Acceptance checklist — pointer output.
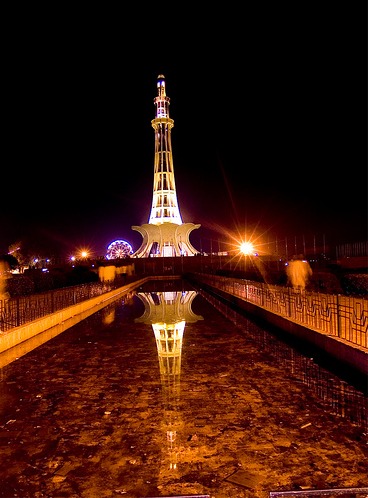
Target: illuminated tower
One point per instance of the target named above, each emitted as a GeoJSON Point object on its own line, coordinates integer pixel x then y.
{"type": "Point", "coordinates": [165, 234]}
{"type": "Point", "coordinates": [168, 313]}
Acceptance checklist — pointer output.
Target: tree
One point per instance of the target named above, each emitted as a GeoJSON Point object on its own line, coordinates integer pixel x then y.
{"type": "Point", "coordinates": [11, 260]}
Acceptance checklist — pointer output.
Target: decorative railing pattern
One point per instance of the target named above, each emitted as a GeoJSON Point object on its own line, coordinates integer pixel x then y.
{"type": "Point", "coordinates": [20, 310]}
{"type": "Point", "coordinates": [333, 314]}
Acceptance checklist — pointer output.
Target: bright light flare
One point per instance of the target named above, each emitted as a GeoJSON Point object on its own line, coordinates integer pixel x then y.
{"type": "Point", "coordinates": [246, 248]}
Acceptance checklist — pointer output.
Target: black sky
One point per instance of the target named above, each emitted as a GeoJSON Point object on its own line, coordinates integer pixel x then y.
{"type": "Point", "coordinates": [269, 136]}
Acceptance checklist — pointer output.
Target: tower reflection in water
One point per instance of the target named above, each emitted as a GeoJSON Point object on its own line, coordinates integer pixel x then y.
{"type": "Point", "coordinates": [168, 312]}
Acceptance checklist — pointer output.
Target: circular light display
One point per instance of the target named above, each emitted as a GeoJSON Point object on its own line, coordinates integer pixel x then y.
{"type": "Point", "coordinates": [119, 249]}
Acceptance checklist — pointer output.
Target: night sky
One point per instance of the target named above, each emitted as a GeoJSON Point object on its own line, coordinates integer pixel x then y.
{"type": "Point", "coordinates": [269, 136]}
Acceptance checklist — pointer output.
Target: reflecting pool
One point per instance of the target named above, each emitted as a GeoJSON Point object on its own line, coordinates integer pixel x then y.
{"type": "Point", "coordinates": [169, 392]}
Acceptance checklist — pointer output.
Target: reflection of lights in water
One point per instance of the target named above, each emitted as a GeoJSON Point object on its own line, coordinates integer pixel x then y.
{"type": "Point", "coordinates": [171, 436]}
{"type": "Point", "coordinates": [109, 312]}
{"type": "Point", "coordinates": [109, 317]}
{"type": "Point", "coordinates": [336, 394]}
{"type": "Point", "coordinates": [168, 312]}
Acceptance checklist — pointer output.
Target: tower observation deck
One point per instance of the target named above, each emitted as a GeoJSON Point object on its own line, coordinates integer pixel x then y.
{"type": "Point", "coordinates": [165, 234]}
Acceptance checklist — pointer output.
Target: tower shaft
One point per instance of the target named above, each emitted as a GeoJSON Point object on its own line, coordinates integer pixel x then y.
{"type": "Point", "coordinates": [165, 207]}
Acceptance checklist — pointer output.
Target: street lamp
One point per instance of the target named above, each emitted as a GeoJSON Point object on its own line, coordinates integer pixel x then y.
{"type": "Point", "coordinates": [246, 248]}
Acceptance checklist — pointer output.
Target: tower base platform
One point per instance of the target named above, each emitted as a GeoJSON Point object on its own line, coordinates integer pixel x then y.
{"type": "Point", "coordinates": [165, 240]}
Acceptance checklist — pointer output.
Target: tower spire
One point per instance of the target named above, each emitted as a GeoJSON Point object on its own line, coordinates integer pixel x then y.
{"type": "Point", "coordinates": [165, 235]}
